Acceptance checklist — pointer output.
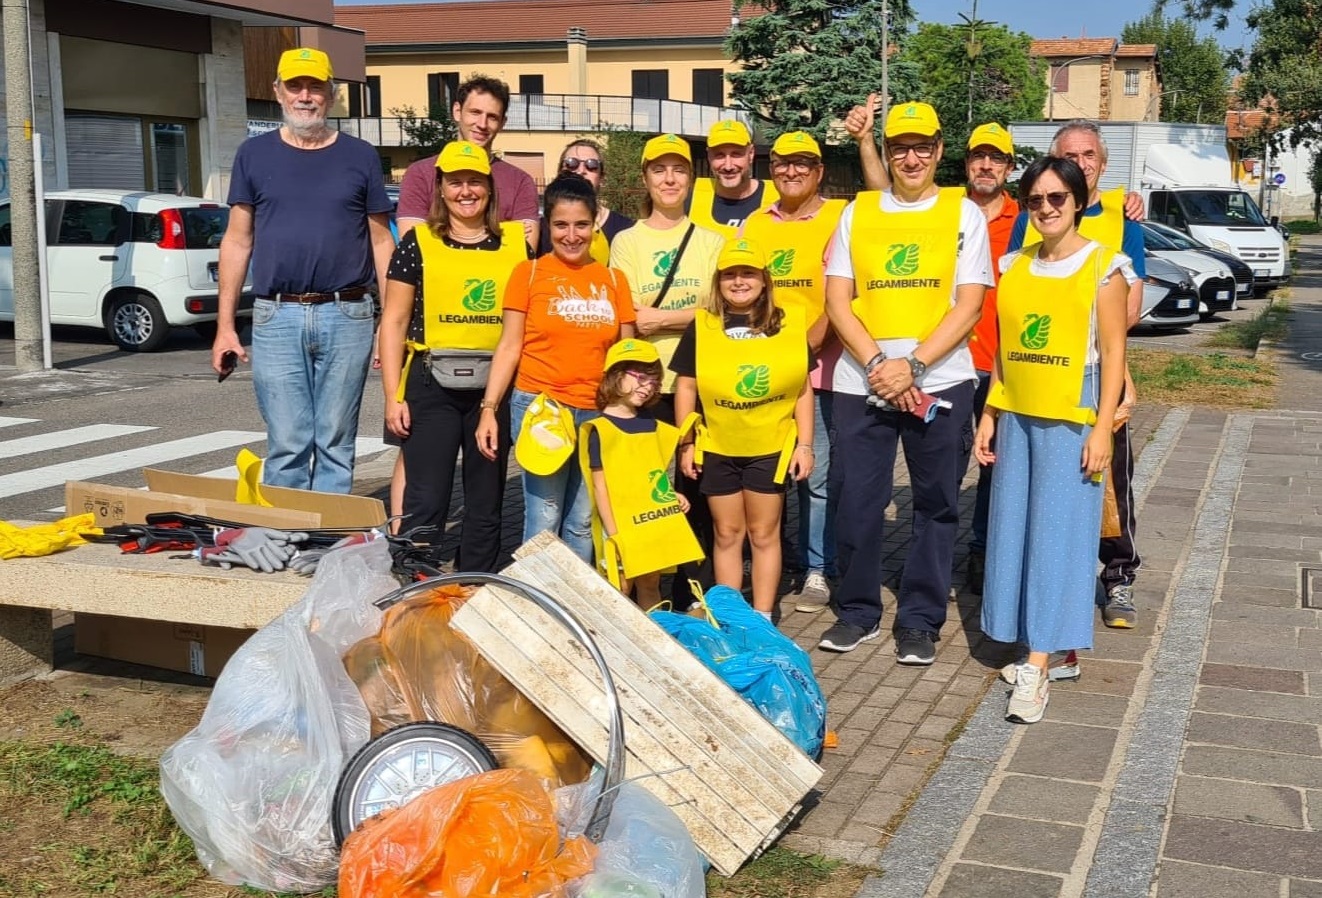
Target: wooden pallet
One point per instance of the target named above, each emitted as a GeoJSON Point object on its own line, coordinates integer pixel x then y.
{"type": "Point", "coordinates": [731, 776]}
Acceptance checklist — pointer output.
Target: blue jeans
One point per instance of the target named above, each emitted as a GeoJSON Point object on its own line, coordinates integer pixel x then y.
{"type": "Point", "coordinates": [309, 364]}
{"type": "Point", "coordinates": [816, 549]}
{"type": "Point", "coordinates": [558, 502]}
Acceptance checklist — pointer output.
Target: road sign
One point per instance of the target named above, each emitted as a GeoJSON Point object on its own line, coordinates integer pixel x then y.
{"type": "Point", "coordinates": [1279, 178]}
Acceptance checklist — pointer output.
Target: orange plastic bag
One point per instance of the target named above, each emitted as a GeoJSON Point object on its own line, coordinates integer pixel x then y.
{"type": "Point", "coordinates": [418, 668]}
{"type": "Point", "coordinates": [490, 834]}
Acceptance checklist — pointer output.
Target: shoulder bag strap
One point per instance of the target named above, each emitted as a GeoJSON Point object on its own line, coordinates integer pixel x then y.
{"type": "Point", "coordinates": [674, 267]}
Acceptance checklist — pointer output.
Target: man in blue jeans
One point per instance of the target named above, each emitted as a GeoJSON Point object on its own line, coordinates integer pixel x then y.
{"type": "Point", "coordinates": [308, 209]}
{"type": "Point", "coordinates": [904, 284]}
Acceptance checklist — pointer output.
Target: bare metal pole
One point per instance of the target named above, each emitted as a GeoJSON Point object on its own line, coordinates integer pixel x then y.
{"type": "Point", "coordinates": [28, 353]}
{"type": "Point", "coordinates": [885, 58]}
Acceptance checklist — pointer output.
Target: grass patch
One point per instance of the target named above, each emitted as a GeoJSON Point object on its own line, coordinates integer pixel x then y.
{"type": "Point", "coordinates": [1217, 380]}
{"type": "Point", "coordinates": [93, 823]}
{"type": "Point", "coordinates": [781, 873]}
{"type": "Point", "coordinates": [1270, 323]}
{"type": "Point", "coordinates": [1305, 226]}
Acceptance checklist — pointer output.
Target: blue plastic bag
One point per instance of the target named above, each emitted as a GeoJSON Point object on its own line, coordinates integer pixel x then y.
{"type": "Point", "coordinates": [759, 662]}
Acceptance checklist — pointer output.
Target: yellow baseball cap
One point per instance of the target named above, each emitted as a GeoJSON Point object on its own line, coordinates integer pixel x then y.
{"type": "Point", "coordinates": [461, 155]}
{"type": "Point", "coordinates": [993, 135]}
{"type": "Point", "coordinates": [304, 62]}
{"type": "Point", "coordinates": [796, 143]}
{"type": "Point", "coordinates": [741, 251]}
{"type": "Point", "coordinates": [546, 437]}
{"type": "Point", "coordinates": [631, 351]}
{"type": "Point", "coordinates": [729, 131]}
{"type": "Point", "coordinates": [665, 145]}
{"type": "Point", "coordinates": [912, 118]}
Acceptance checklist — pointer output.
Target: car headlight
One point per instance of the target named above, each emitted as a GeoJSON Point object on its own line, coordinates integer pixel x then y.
{"type": "Point", "coordinates": [1221, 245]}
{"type": "Point", "coordinates": [1191, 272]}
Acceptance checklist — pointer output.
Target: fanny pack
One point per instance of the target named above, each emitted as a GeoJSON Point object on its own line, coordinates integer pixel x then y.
{"type": "Point", "coordinates": [460, 369]}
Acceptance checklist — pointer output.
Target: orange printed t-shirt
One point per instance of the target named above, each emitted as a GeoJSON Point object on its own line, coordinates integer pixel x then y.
{"type": "Point", "coordinates": [985, 339]}
{"type": "Point", "coordinates": [574, 315]}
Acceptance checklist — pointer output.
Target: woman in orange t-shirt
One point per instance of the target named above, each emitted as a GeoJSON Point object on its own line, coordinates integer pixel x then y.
{"type": "Point", "coordinates": [562, 312]}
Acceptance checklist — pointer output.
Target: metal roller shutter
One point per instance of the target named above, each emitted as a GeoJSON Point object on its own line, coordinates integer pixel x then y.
{"type": "Point", "coordinates": [105, 151]}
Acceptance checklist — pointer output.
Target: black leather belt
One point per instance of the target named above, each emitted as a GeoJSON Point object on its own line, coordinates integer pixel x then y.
{"type": "Point", "coordinates": [353, 294]}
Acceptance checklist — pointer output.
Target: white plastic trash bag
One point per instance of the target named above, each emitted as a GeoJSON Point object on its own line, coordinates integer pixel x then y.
{"type": "Point", "coordinates": [645, 851]}
{"type": "Point", "coordinates": [252, 784]}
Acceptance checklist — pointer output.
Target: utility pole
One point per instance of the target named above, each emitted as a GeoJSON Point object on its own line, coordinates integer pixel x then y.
{"type": "Point", "coordinates": [885, 58]}
{"type": "Point", "coordinates": [23, 219]}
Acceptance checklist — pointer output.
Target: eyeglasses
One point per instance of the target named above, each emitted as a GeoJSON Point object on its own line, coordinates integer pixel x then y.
{"type": "Point", "coordinates": [985, 156]}
{"type": "Point", "coordinates": [1055, 198]}
{"type": "Point", "coordinates": [644, 379]}
{"type": "Point", "coordinates": [571, 163]}
{"type": "Point", "coordinates": [922, 150]}
{"type": "Point", "coordinates": [799, 166]}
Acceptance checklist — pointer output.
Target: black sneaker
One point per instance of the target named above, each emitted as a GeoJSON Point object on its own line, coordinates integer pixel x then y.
{"type": "Point", "coordinates": [977, 571]}
{"type": "Point", "coordinates": [843, 637]}
{"type": "Point", "coordinates": [914, 647]}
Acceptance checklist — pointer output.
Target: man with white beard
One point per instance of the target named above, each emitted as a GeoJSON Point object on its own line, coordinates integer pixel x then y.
{"type": "Point", "coordinates": [308, 208]}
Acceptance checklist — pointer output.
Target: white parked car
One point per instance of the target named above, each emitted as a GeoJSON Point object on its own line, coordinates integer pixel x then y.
{"type": "Point", "coordinates": [133, 263]}
{"type": "Point", "coordinates": [1211, 277]}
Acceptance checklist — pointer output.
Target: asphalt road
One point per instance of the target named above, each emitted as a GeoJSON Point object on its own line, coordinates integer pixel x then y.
{"type": "Point", "coordinates": [103, 414]}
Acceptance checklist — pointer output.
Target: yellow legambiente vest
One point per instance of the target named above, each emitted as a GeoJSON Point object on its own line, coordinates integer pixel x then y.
{"type": "Point", "coordinates": [1045, 324]}
{"type": "Point", "coordinates": [904, 264]}
{"type": "Point", "coordinates": [748, 389]}
{"type": "Point", "coordinates": [704, 194]}
{"type": "Point", "coordinates": [462, 289]}
{"type": "Point", "coordinates": [651, 531]}
{"type": "Point", "coordinates": [600, 248]}
{"type": "Point", "coordinates": [796, 250]}
{"type": "Point", "coordinates": [1108, 228]}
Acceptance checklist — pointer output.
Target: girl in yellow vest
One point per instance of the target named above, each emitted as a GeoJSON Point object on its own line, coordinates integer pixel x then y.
{"type": "Point", "coordinates": [638, 524]}
{"type": "Point", "coordinates": [746, 360]}
{"type": "Point", "coordinates": [1053, 397]}
{"type": "Point", "coordinates": [440, 323]}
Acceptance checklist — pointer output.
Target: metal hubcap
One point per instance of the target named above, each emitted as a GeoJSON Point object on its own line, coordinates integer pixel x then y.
{"type": "Point", "coordinates": [408, 769]}
{"type": "Point", "coordinates": [133, 323]}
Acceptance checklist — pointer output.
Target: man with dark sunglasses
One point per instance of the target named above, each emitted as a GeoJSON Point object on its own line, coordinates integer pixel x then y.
{"type": "Point", "coordinates": [904, 285]}
{"type": "Point", "coordinates": [1106, 221]}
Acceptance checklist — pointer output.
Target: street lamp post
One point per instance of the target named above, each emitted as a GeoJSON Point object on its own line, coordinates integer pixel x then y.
{"type": "Point", "coordinates": [1055, 73]}
{"type": "Point", "coordinates": [1147, 115]}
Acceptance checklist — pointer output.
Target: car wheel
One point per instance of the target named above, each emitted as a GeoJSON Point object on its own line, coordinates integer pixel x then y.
{"type": "Point", "coordinates": [136, 323]}
{"type": "Point", "coordinates": [399, 765]}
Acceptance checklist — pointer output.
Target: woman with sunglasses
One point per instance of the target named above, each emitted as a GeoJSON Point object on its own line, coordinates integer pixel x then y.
{"type": "Point", "coordinates": [1058, 377]}
{"type": "Point", "coordinates": [583, 158]}
{"type": "Point", "coordinates": [441, 318]}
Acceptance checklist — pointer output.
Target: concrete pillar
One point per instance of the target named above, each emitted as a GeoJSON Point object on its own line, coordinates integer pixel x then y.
{"type": "Point", "coordinates": [578, 60]}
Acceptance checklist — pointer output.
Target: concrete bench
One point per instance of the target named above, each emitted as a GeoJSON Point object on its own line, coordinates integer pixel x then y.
{"type": "Point", "coordinates": [99, 579]}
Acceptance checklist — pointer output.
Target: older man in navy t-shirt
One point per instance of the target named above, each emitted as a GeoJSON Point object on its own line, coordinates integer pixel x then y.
{"type": "Point", "coordinates": [309, 210]}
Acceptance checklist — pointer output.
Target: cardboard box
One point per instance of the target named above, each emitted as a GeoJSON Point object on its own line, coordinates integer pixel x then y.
{"type": "Point", "coordinates": [187, 648]}
{"type": "Point", "coordinates": [214, 497]}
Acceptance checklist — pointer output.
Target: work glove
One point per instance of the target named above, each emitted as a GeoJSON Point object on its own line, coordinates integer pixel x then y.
{"type": "Point", "coordinates": [305, 561]}
{"type": "Point", "coordinates": [260, 548]}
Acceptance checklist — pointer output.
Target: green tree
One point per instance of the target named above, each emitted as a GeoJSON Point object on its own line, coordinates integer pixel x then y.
{"type": "Point", "coordinates": [1194, 79]}
{"type": "Point", "coordinates": [806, 62]}
{"type": "Point", "coordinates": [980, 67]}
{"type": "Point", "coordinates": [622, 186]}
{"type": "Point", "coordinates": [1284, 68]}
{"type": "Point", "coordinates": [428, 134]}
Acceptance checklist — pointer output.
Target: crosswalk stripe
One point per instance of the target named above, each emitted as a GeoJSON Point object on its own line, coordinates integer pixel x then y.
{"type": "Point", "coordinates": [10, 422]}
{"type": "Point", "coordinates": [99, 465]}
{"type": "Point", "coordinates": [60, 439]}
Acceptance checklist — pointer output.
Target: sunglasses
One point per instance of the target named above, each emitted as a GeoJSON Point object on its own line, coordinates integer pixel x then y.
{"type": "Point", "coordinates": [572, 163]}
{"type": "Point", "coordinates": [985, 156]}
{"type": "Point", "coordinates": [644, 379]}
{"type": "Point", "coordinates": [1055, 198]}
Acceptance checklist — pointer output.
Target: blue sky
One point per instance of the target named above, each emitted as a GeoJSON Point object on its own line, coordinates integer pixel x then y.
{"type": "Point", "coordinates": [1050, 19]}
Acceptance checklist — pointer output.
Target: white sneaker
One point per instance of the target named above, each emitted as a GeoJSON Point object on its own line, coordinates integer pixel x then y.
{"type": "Point", "coordinates": [814, 594]}
{"type": "Point", "coordinates": [1061, 666]}
{"type": "Point", "coordinates": [1032, 691]}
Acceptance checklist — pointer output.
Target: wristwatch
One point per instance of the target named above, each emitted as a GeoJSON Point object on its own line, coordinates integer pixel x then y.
{"type": "Point", "coordinates": [916, 368]}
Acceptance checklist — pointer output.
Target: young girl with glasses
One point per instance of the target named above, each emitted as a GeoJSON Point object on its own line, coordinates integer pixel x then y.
{"type": "Point", "coordinates": [638, 526]}
{"type": "Point", "coordinates": [746, 360]}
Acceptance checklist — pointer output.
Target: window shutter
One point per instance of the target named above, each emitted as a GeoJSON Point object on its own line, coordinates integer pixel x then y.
{"type": "Point", "coordinates": [105, 151]}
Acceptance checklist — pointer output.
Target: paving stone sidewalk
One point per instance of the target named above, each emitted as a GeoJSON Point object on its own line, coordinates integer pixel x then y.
{"type": "Point", "coordinates": [1187, 761]}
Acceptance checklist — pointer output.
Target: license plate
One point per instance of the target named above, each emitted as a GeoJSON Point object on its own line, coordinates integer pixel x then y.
{"type": "Point", "coordinates": [1261, 272]}
{"type": "Point", "coordinates": [1184, 304]}
{"type": "Point", "coordinates": [1223, 294]}
{"type": "Point", "coordinates": [213, 272]}
{"type": "Point", "coordinates": [1242, 288]}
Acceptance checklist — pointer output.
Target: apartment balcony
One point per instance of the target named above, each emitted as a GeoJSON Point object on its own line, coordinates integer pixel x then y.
{"type": "Point", "coordinates": [573, 113]}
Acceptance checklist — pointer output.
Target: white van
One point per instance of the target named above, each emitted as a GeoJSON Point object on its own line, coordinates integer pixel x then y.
{"type": "Point", "coordinates": [1186, 188]}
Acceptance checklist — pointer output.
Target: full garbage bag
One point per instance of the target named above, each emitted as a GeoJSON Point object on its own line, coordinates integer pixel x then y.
{"type": "Point", "coordinates": [418, 668]}
{"type": "Point", "coordinates": [252, 784]}
{"type": "Point", "coordinates": [758, 661]}
{"type": "Point", "coordinates": [646, 849]}
{"type": "Point", "coordinates": [490, 834]}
